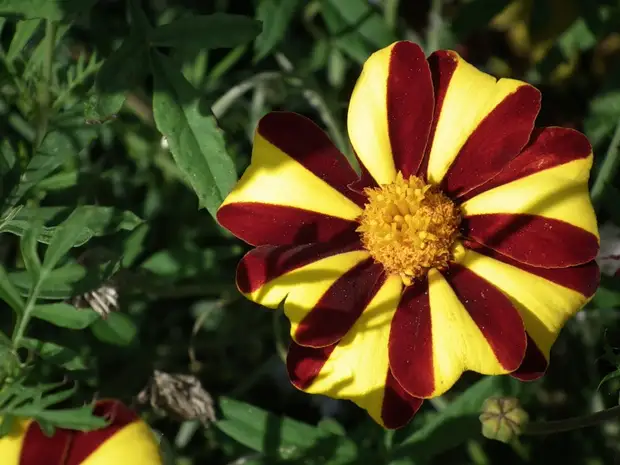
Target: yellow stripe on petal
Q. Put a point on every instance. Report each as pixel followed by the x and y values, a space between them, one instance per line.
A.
pixel 367 118
pixel 470 96
pixel 544 306
pixel 11 444
pixel 304 286
pixel 275 178
pixel 357 368
pixel 134 444
pixel 458 343
pixel 559 193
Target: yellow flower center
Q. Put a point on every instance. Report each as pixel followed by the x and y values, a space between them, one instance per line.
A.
pixel 409 227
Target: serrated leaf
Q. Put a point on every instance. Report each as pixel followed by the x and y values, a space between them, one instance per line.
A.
pixel 65 237
pixel 48 9
pixel 219 30
pixel 117 329
pixel 123 70
pixel 194 138
pixel 276 16
pixel 55 354
pixel 24 30
pixel 81 418
pixel 58 146
pixel 102 221
pixel 65 315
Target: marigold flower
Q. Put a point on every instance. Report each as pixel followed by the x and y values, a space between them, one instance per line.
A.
pixel 127 440
pixel 466 243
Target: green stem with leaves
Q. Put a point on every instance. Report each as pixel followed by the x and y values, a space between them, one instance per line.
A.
pixel 45 99
pixel 24 317
pixel 570 424
pixel 608 168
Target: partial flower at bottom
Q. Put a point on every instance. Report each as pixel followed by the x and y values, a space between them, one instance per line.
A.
pixel 126 440
pixel 466 243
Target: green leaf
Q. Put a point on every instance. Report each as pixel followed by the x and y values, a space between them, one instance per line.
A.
pixel 475 15
pixel 65 315
pixel 195 141
pixel 367 22
pixel 218 30
pixel 61 283
pixel 102 221
pixel 122 71
pixel 118 329
pixel 81 418
pixel 603 115
pixel 66 235
pixel 58 146
pixel 48 9
pixel 55 354
pixel 280 437
pixel 9 174
pixel 30 254
pixel 276 16
pixel 24 30
pixel 455 424
pixel 9 293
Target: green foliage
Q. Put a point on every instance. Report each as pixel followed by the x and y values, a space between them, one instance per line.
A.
pixel 124 120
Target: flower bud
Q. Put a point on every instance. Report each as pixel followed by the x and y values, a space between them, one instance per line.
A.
pixel 502 418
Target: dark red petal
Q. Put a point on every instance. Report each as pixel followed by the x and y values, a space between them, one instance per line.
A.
pixel 305 363
pixel 264 224
pixel 583 278
pixel 534 363
pixel 498 320
pixel 309 145
pixel 85 443
pixel 548 147
pixel 267 262
pixel 37 446
pixel 341 305
pixel 498 139
pixel 410 103
pixel 398 407
pixel 532 239
pixel 442 65
pixel 411 342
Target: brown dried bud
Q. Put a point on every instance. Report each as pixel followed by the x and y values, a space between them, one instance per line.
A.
pixel 179 396
pixel 502 418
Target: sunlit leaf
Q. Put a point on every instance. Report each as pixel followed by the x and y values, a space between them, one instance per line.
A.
pixel 195 140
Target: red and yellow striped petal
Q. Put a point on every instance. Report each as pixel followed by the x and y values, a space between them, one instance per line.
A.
pixel 295 189
pixel 545 297
pixel 538 210
pixel 479 123
pixel 356 368
pixel 391 110
pixel 125 441
pixel 324 286
pixel 453 322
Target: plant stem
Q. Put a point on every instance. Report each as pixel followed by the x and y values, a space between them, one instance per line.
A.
pixel 24 318
pixel 608 169
pixel 569 424
pixel 45 100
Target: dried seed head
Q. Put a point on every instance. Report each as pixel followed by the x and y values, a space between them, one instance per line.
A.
pixel 179 396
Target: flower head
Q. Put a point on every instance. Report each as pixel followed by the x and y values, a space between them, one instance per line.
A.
pixel 466 243
pixel 125 441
